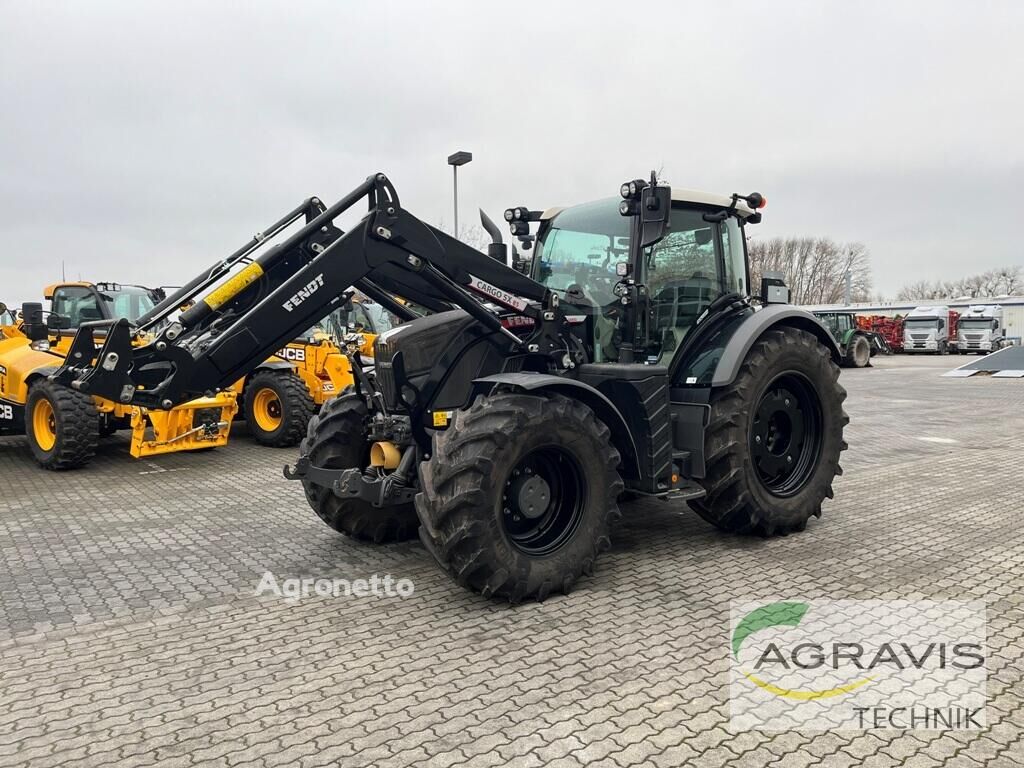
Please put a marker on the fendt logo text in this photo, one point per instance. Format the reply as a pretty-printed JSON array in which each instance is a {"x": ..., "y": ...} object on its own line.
[{"x": 304, "y": 293}]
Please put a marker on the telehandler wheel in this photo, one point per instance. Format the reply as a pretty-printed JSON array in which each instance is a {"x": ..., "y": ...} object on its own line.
[
  {"x": 774, "y": 438},
  {"x": 62, "y": 426},
  {"x": 337, "y": 440},
  {"x": 518, "y": 497},
  {"x": 858, "y": 352},
  {"x": 278, "y": 408}
]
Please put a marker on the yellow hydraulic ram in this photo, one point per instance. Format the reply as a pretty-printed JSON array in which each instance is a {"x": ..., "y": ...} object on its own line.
[{"x": 221, "y": 295}]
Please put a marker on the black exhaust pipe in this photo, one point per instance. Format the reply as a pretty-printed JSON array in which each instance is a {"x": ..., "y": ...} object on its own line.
[{"x": 496, "y": 249}]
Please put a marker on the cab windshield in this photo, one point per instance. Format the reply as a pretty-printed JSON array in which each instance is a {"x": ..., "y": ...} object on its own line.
[
  {"x": 976, "y": 325},
  {"x": 128, "y": 301},
  {"x": 696, "y": 262},
  {"x": 924, "y": 324},
  {"x": 362, "y": 317},
  {"x": 86, "y": 303}
]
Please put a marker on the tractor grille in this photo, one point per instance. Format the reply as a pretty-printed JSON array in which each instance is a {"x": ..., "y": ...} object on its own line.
[
  {"x": 384, "y": 377},
  {"x": 919, "y": 336}
]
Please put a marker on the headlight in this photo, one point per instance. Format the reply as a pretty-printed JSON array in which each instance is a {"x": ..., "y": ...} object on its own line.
[{"x": 41, "y": 345}]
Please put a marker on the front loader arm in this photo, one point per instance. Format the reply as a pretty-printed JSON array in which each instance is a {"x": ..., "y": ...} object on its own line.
[{"x": 226, "y": 334}]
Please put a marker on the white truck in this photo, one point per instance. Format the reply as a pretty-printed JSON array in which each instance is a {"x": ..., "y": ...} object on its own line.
[
  {"x": 981, "y": 329},
  {"x": 926, "y": 329}
]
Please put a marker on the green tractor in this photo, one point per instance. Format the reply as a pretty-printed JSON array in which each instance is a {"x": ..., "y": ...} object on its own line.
[{"x": 857, "y": 345}]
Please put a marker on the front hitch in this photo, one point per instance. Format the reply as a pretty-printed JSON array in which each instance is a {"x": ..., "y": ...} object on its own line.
[{"x": 354, "y": 483}]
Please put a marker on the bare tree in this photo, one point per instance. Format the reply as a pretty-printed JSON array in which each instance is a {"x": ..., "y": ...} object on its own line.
[
  {"x": 472, "y": 235},
  {"x": 1005, "y": 281},
  {"x": 815, "y": 268}
]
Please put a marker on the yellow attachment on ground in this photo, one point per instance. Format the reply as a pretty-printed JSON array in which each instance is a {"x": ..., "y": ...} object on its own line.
[
  {"x": 385, "y": 455},
  {"x": 185, "y": 428}
]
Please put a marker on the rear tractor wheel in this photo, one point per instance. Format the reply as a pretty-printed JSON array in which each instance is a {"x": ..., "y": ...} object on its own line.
[
  {"x": 774, "y": 438},
  {"x": 337, "y": 440},
  {"x": 62, "y": 426},
  {"x": 858, "y": 352},
  {"x": 518, "y": 497},
  {"x": 278, "y": 408}
]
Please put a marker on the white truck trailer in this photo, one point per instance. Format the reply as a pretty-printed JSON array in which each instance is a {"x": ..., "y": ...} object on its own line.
[
  {"x": 926, "y": 329},
  {"x": 981, "y": 329}
]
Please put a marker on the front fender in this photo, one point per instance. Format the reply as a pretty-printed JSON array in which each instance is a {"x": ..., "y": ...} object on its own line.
[
  {"x": 756, "y": 325},
  {"x": 604, "y": 409}
]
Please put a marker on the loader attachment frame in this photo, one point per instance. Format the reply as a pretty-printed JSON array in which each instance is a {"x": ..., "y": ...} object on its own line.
[{"x": 287, "y": 288}]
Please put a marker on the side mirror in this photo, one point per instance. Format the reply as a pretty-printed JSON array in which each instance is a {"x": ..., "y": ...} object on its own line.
[
  {"x": 773, "y": 289},
  {"x": 655, "y": 209},
  {"x": 32, "y": 321},
  {"x": 651, "y": 203},
  {"x": 3, "y": 308},
  {"x": 57, "y": 322},
  {"x": 522, "y": 264}
]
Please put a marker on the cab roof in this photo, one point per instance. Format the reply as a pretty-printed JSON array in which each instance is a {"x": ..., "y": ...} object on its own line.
[
  {"x": 681, "y": 195},
  {"x": 49, "y": 290}
]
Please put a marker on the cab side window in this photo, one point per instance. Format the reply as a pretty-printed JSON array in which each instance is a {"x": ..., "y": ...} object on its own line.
[{"x": 683, "y": 277}]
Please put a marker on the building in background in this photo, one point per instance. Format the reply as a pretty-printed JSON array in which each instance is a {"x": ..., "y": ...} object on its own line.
[{"x": 1013, "y": 309}]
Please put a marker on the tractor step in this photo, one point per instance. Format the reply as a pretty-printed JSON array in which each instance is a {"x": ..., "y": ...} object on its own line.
[{"x": 687, "y": 491}]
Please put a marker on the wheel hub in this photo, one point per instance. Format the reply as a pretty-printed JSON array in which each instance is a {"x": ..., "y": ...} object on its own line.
[
  {"x": 785, "y": 435},
  {"x": 543, "y": 501},
  {"x": 531, "y": 494}
]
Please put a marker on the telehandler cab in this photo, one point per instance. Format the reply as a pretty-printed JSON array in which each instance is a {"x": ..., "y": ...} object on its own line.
[{"x": 628, "y": 357}]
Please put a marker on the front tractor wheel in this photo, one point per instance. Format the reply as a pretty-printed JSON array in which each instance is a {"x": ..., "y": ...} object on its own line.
[
  {"x": 518, "y": 497},
  {"x": 337, "y": 440},
  {"x": 62, "y": 426},
  {"x": 278, "y": 408},
  {"x": 858, "y": 352},
  {"x": 774, "y": 438}
]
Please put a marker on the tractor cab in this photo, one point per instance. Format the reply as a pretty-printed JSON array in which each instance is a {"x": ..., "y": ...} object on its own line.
[
  {"x": 583, "y": 254},
  {"x": 839, "y": 324}
]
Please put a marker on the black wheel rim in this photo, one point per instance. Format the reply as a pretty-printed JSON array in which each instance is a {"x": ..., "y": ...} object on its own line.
[
  {"x": 786, "y": 434},
  {"x": 543, "y": 501}
]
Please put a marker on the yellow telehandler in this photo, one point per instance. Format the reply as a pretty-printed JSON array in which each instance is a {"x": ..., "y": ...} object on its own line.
[
  {"x": 63, "y": 426},
  {"x": 277, "y": 398},
  {"x": 281, "y": 395}
]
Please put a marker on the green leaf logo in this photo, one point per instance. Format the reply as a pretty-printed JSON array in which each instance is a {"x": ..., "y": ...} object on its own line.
[{"x": 772, "y": 615}]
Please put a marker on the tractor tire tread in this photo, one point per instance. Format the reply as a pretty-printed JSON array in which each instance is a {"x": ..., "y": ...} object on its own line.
[{"x": 456, "y": 484}]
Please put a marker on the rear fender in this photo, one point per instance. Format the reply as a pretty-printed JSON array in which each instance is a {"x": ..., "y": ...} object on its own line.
[
  {"x": 602, "y": 407},
  {"x": 759, "y": 323}
]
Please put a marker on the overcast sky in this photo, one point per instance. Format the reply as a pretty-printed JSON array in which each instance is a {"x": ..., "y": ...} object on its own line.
[{"x": 140, "y": 141}]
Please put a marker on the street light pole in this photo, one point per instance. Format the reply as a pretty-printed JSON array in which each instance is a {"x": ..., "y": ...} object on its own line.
[{"x": 455, "y": 160}]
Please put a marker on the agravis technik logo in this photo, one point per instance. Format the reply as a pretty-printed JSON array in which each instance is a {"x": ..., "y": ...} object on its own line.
[{"x": 824, "y": 664}]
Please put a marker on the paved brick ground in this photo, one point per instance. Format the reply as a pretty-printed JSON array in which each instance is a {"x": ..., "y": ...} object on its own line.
[{"x": 130, "y": 634}]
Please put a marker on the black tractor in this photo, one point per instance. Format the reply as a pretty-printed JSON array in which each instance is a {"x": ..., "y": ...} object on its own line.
[{"x": 624, "y": 354}]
